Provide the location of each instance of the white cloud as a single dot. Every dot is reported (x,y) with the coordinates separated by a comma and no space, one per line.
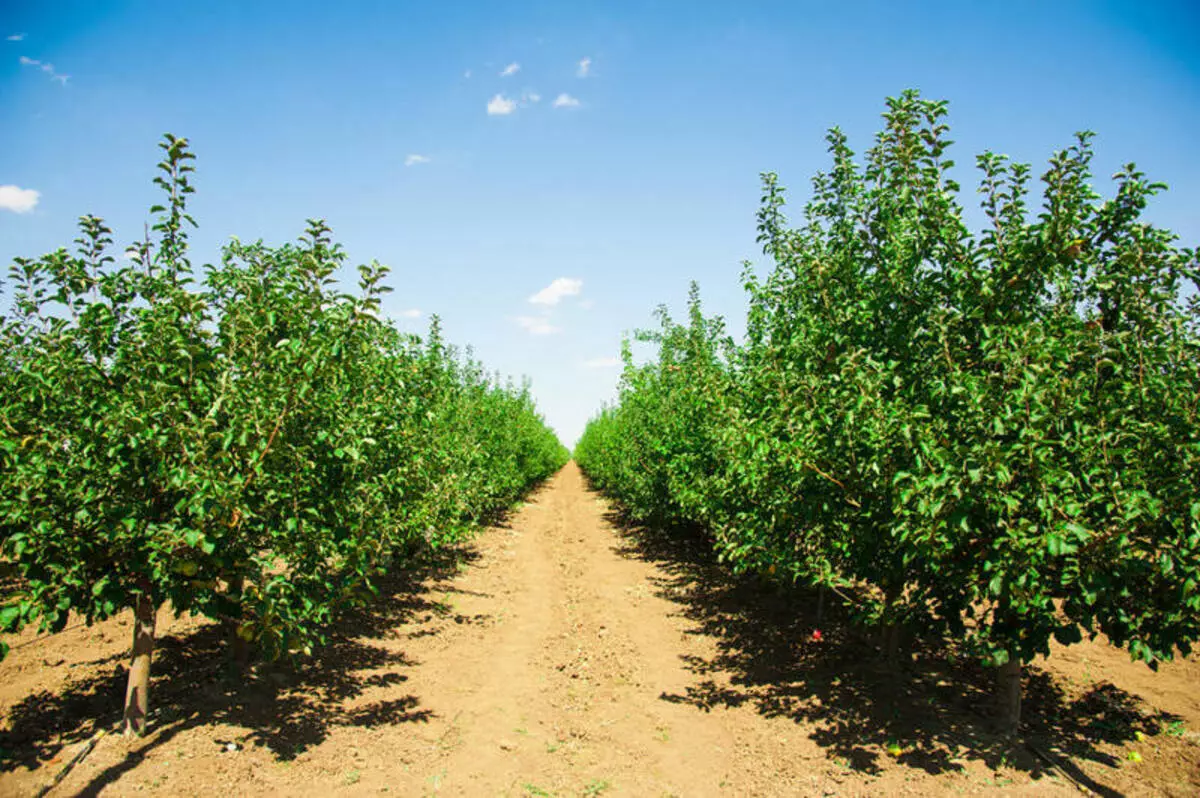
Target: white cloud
(585,68)
(467,74)
(553,293)
(414,159)
(536,325)
(17,199)
(528,96)
(411,313)
(16,37)
(47,68)
(132,254)
(602,363)
(501,106)
(565,100)
(511,69)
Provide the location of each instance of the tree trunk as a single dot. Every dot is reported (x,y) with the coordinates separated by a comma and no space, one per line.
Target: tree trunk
(137,692)
(1008,695)
(891,645)
(820,605)
(889,629)
(239,649)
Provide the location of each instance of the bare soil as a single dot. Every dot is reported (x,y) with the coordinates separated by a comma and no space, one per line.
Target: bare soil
(565,653)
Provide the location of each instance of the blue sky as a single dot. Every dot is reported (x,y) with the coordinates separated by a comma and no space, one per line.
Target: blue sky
(300,110)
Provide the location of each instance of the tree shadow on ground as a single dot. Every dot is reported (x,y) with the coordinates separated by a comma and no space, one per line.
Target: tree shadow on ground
(936,705)
(500,515)
(285,707)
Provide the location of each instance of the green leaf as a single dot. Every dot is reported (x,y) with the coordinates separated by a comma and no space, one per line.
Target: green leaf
(9,617)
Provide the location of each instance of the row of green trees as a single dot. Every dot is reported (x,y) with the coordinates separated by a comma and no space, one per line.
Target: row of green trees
(244,442)
(992,437)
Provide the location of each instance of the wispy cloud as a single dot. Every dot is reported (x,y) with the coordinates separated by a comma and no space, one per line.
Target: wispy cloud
(45,67)
(536,325)
(16,37)
(510,70)
(553,294)
(501,106)
(411,313)
(602,363)
(528,96)
(587,304)
(467,74)
(17,199)
(414,159)
(565,100)
(585,67)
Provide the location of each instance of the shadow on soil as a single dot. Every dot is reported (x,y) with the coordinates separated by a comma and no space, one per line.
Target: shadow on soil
(936,708)
(284,708)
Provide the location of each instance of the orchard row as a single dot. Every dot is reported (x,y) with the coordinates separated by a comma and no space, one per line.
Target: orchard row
(992,437)
(244,442)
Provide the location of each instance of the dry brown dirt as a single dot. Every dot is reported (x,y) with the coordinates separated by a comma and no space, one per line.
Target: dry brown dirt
(563,653)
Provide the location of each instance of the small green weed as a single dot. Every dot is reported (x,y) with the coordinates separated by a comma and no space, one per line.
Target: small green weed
(596,787)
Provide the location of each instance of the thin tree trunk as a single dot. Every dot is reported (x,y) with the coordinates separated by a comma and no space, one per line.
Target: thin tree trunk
(820,605)
(239,649)
(1008,695)
(891,645)
(137,692)
(889,631)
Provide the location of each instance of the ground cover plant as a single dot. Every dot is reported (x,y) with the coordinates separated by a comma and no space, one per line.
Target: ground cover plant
(244,441)
(987,436)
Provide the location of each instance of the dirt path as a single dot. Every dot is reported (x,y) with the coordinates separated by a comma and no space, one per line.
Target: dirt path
(561,654)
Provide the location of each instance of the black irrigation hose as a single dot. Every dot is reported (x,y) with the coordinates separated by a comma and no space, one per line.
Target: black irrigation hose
(44,638)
